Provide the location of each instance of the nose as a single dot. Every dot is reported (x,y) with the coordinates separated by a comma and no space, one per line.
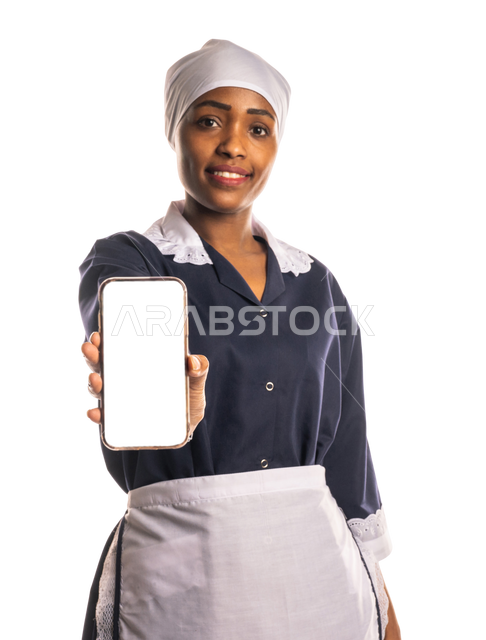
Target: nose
(232,143)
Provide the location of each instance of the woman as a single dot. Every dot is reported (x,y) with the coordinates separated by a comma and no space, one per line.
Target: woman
(269,522)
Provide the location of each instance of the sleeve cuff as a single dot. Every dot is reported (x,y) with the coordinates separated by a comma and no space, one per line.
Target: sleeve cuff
(373,533)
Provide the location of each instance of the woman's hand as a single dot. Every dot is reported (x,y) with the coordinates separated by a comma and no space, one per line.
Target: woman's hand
(197,368)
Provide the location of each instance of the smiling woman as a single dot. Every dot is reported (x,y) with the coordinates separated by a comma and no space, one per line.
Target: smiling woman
(269,522)
(240,125)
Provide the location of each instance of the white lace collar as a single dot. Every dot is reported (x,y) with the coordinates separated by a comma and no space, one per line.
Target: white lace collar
(173,234)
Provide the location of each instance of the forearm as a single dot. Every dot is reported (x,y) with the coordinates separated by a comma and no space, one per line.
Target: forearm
(392,629)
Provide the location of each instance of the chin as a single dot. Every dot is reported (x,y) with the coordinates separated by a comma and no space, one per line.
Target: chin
(223,202)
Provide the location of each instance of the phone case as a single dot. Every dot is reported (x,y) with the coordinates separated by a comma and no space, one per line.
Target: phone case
(143,353)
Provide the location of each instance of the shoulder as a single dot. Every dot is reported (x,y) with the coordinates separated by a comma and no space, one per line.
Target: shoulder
(321,274)
(120,245)
(124,248)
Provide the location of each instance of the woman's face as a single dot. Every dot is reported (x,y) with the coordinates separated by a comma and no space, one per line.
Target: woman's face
(228,130)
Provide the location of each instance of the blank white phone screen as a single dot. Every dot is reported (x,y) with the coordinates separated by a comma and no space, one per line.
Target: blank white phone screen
(144,369)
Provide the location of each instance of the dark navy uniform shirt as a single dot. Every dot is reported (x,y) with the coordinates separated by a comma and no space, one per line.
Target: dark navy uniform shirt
(290,394)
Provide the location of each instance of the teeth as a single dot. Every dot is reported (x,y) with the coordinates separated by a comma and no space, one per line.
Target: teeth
(226,174)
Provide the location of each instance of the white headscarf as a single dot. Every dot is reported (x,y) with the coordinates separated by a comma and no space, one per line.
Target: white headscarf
(220,63)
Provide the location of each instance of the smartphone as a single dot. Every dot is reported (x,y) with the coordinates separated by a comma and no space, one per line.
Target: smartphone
(144,346)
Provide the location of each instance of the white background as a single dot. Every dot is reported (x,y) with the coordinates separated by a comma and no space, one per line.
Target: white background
(380,175)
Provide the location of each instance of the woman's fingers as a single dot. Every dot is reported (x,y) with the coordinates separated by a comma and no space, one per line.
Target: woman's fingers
(91,353)
(95,338)
(94,415)
(197,367)
(95,384)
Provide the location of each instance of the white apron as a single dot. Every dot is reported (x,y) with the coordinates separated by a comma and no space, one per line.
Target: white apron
(263,554)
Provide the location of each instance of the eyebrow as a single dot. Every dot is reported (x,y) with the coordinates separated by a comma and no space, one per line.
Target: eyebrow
(260,112)
(227,107)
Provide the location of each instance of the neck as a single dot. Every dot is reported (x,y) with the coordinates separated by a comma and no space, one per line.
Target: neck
(230,232)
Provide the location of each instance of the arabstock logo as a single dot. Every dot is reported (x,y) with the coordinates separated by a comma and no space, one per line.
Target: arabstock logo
(157,318)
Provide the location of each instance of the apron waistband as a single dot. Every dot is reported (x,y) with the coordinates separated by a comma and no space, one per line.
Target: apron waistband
(227,485)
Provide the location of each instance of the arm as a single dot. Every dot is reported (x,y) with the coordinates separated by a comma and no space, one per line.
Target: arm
(349,468)
(392,628)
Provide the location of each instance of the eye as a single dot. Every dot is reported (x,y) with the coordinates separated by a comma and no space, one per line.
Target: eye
(260,131)
(207,122)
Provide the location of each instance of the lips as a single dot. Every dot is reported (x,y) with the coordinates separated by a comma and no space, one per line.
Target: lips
(227,168)
(229,175)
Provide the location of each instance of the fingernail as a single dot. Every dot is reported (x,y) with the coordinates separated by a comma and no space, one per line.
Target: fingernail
(196,363)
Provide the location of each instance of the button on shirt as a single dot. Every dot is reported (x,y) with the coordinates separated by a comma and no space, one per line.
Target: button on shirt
(285,385)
